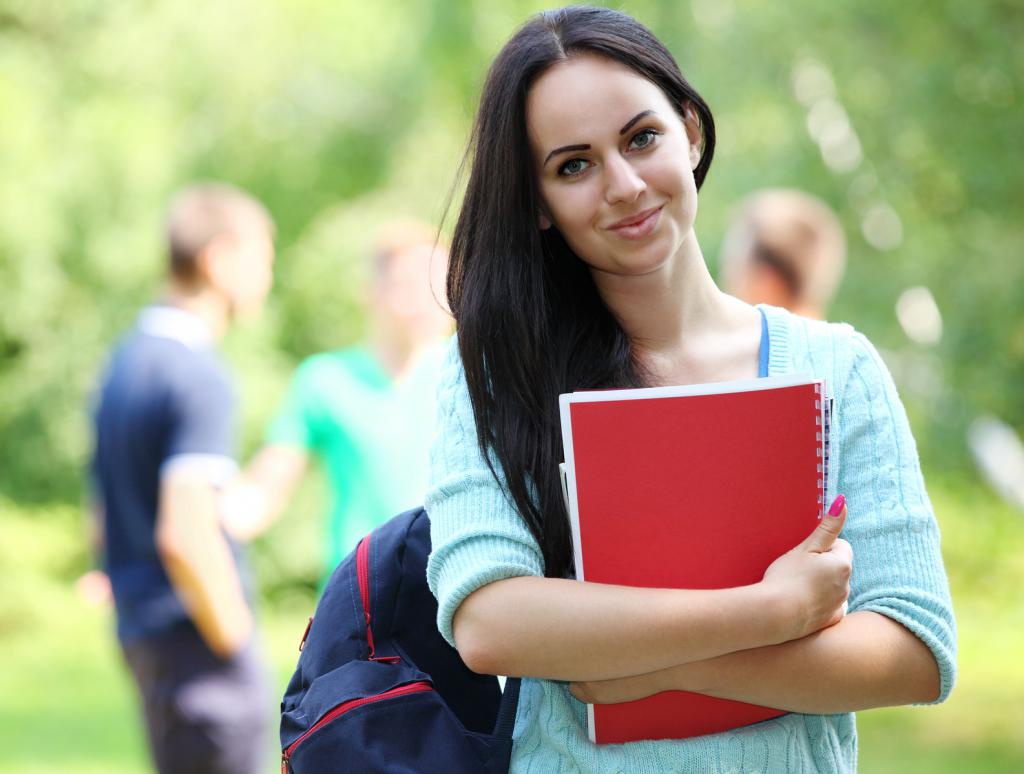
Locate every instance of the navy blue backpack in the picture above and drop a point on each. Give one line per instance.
(377, 689)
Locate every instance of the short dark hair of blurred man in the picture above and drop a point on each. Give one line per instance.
(785, 248)
(165, 425)
(366, 412)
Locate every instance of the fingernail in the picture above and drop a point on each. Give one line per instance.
(837, 506)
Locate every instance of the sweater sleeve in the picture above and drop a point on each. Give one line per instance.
(476, 533)
(897, 566)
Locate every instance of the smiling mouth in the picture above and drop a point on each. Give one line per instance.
(637, 226)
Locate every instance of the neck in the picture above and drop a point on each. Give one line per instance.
(663, 309)
(684, 328)
(203, 302)
(396, 348)
(813, 311)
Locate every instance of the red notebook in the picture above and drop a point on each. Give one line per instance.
(700, 486)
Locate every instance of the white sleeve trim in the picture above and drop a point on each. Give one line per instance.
(215, 468)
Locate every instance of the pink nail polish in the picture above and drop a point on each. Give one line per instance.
(837, 506)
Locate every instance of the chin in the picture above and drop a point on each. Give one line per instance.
(247, 311)
(642, 269)
(620, 266)
(645, 257)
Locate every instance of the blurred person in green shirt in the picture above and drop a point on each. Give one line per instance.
(365, 412)
(785, 248)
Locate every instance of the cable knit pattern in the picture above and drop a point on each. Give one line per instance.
(478, 538)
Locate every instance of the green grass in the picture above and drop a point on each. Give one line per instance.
(66, 703)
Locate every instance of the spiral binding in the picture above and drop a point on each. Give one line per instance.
(827, 443)
(822, 420)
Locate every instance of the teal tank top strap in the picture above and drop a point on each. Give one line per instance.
(762, 365)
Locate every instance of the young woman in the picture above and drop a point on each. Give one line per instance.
(575, 265)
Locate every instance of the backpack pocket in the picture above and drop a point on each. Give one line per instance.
(376, 717)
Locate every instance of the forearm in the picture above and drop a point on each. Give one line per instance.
(217, 606)
(864, 661)
(566, 630)
(200, 566)
(256, 497)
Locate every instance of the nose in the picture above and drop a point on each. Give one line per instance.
(622, 183)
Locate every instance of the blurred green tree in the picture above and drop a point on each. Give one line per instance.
(339, 115)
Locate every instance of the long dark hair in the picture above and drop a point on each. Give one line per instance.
(531, 323)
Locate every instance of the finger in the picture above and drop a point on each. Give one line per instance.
(824, 535)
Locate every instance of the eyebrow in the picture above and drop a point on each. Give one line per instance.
(567, 148)
(634, 119)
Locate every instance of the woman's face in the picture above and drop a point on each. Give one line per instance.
(614, 163)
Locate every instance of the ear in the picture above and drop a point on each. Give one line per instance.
(206, 263)
(691, 122)
(213, 262)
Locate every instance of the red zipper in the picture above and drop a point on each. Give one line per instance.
(402, 690)
(305, 634)
(363, 575)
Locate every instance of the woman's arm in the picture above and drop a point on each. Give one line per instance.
(898, 645)
(864, 661)
(505, 617)
(565, 630)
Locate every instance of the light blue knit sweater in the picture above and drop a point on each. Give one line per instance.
(479, 538)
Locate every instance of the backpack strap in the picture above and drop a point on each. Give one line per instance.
(507, 709)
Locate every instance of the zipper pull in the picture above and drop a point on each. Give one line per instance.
(284, 762)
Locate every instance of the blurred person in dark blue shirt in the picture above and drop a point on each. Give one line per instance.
(165, 443)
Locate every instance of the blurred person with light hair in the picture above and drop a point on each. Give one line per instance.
(164, 445)
(785, 248)
(366, 412)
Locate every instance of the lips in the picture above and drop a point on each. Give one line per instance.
(637, 225)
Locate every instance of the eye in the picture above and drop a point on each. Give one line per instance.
(572, 168)
(643, 139)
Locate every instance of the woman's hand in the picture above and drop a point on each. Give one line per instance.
(812, 581)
